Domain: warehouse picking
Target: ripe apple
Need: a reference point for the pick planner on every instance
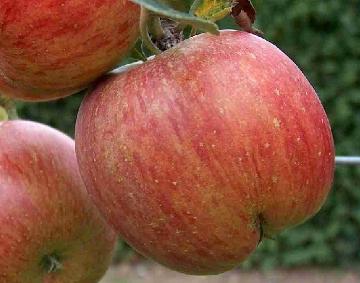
(50, 232)
(51, 49)
(195, 155)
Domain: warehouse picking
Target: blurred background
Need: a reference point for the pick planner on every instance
(323, 38)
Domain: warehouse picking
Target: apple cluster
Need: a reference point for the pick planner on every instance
(193, 157)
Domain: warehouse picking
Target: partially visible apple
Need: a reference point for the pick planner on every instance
(50, 230)
(195, 155)
(51, 48)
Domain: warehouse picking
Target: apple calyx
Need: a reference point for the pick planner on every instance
(263, 230)
(7, 109)
(51, 263)
(172, 35)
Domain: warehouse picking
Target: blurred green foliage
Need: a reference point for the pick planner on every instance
(323, 38)
(60, 114)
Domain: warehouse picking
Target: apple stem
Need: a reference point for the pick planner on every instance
(193, 32)
(146, 17)
(7, 109)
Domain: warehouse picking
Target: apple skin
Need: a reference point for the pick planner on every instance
(51, 49)
(195, 155)
(46, 211)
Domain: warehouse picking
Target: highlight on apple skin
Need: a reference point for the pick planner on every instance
(196, 155)
(51, 49)
(50, 229)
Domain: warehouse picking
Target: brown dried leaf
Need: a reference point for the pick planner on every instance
(245, 6)
(245, 14)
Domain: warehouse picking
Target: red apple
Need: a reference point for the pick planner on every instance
(50, 232)
(51, 48)
(196, 154)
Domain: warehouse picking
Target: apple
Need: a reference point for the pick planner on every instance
(51, 49)
(50, 232)
(195, 155)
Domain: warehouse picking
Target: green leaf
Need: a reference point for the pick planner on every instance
(179, 5)
(213, 10)
(137, 53)
(164, 10)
